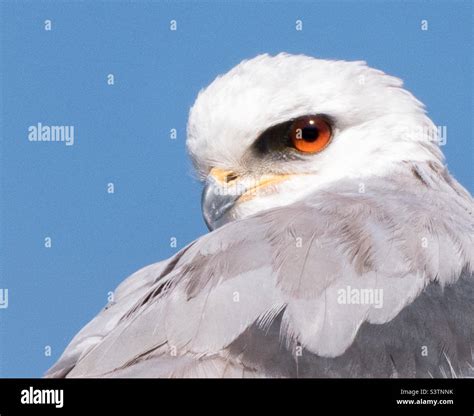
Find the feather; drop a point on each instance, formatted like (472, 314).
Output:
(289, 294)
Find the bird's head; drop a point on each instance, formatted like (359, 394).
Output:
(275, 128)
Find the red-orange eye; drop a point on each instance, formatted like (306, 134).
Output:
(310, 134)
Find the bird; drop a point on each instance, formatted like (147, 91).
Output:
(340, 245)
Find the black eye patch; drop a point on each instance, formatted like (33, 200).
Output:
(274, 139)
(294, 138)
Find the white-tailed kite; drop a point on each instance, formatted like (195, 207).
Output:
(341, 245)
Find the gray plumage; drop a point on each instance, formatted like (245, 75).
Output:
(257, 297)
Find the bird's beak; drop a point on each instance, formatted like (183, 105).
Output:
(218, 197)
(224, 188)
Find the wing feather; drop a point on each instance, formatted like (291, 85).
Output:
(188, 316)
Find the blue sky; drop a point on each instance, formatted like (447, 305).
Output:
(59, 77)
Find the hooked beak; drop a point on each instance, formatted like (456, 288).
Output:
(218, 197)
(223, 189)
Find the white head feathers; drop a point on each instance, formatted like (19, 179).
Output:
(377, 124)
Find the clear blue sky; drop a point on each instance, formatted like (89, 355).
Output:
(58, 77)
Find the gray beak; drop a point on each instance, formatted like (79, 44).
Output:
(217, 201)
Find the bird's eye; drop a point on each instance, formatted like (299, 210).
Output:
(310, 134)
